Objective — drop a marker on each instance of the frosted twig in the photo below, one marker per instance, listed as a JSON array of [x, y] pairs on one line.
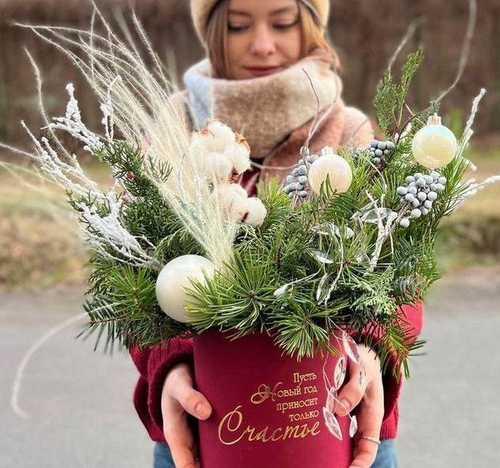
[[108, 231], [60, 172], [319, 120], [472, 116], [73, 125], [472, 188], [384, 231]]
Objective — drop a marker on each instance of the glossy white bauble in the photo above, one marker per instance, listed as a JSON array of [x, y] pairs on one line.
[[333, 167], [174, 278], [434, 145]]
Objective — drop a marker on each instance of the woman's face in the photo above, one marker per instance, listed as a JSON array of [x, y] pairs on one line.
[[264, 37]]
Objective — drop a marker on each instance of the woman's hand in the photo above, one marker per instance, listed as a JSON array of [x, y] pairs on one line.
[[365, 389], [179, 398]]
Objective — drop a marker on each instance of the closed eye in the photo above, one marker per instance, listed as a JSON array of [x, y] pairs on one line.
[[237, 28], [285, 26]]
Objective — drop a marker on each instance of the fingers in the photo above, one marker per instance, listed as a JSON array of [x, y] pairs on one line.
[[353, 391], [365, 454], [370, 416], [179, 438], [361, 374], [178, 399], [192, 401], [180, 388]]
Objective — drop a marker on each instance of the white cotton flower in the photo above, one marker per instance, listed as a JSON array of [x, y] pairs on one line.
[[222, 133], [327, 151], [219, 138], [238, 210], [202, 143], [231, 191], [218, 166], [233, 200], [212, 139], [240, 157], [256, 212]]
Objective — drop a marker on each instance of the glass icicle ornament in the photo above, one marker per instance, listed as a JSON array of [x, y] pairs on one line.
[[420, 193], [333, 167], [175, 277], [434, 145]]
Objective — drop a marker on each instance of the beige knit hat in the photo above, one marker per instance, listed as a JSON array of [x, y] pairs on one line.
[[201, 9]]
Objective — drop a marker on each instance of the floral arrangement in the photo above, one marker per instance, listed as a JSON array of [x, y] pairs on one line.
[[178, 248]]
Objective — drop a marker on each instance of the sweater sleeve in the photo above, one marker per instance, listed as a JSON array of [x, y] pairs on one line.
[[153, 365], [413, 315]]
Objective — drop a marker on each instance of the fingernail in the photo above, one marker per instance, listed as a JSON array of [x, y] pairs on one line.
[[201, 410]]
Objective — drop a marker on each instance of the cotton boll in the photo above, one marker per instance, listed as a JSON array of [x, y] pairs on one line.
[[238, 211], [233, 200], [240, 157], [257, 212], [218, 166], [202, 143], [241, 140], [231, 191], [222, 133]]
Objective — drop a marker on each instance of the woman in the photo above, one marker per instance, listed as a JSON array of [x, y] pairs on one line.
[[263, 57]]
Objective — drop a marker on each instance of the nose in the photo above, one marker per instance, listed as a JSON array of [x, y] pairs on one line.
[[262, 43]]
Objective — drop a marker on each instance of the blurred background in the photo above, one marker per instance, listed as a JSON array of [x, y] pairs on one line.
[[42, 264]]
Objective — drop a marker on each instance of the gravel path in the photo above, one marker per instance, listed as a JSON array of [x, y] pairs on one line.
[[80, 402]]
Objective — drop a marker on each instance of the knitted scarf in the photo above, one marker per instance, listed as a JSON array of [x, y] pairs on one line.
[[265, 110]]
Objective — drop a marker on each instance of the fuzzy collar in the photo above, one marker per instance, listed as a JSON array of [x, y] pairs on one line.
[[264, 110]]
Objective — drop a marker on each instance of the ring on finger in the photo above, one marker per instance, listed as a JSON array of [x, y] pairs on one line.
[[375, 440]]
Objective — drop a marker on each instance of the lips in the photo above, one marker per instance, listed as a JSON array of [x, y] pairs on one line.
[[263, 71]]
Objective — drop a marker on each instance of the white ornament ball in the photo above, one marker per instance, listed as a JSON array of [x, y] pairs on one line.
[[330, 166], [434, 145], [177, 275]]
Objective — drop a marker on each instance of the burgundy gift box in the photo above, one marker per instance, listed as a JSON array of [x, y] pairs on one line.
[[269, 410]]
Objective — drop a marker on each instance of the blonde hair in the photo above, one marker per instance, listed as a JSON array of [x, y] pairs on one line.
[[313, 37]]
